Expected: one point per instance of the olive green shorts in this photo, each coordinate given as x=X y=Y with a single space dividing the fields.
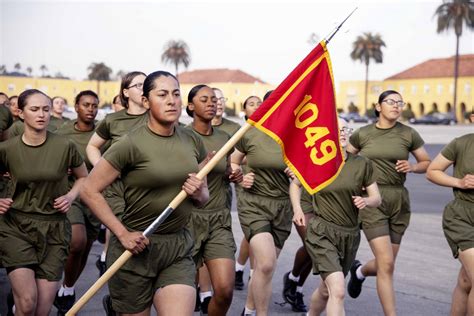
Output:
x=391 y=217
x=307 y=202
x=458 y=225
x=114 y=195
x=79 y=213
x=166 y=261
x=212 y=232
x=35 y=240
x=260 y=214
x=332 y=247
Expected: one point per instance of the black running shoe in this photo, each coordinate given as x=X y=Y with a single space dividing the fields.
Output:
x=64 y=303
x=354 y=287
x=10 y=303
x=239 y=280
x=289 y=289
x=197 y=307
x=299 y=305
x=205 y=305
x=101 y=265
x=102 y=233
x=107 y=303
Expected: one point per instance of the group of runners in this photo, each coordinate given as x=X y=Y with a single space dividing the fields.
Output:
x=64 y=179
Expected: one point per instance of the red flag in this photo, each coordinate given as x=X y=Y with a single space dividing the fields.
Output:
x=301 y=116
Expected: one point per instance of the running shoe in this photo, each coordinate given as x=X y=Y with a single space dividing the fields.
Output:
x=239 y=280
x=354 y=287
x=205 y=305
x=64 y=303
x=101 y=265
x=289 y=289
x=299 y=305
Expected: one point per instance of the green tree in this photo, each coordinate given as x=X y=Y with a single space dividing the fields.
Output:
x=176 y=53
x=43 y=70
x=99 y=72
x=29 y=70
x=453 y=15
x=17 y=67
x=367 y=47
x=3 y=69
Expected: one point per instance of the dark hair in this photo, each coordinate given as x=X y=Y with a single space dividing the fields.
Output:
x=2 y=93
x=149 y=83
x=267 y=94
x=115 y=99
x=382 y=97
x=83 y=93
x=126 y=80
x=247 y=100
x=25 y=95
x=58 y=97
x=192 y=93
x=12 y=97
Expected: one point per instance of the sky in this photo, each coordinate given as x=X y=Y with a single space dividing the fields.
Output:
x=266 y=39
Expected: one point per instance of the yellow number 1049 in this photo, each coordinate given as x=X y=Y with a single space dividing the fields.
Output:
x=327 y=148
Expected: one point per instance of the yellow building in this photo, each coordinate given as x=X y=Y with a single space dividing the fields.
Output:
x=426 y=87
x=60 y=87
x=235 y=84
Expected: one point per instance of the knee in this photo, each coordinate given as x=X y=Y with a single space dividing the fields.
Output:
x=26 y=304
x=385 y=265
x=77 y=244
x=266 y=267
x=337 y=293
x=464 y=283
x=323 y=292
x=223 y=294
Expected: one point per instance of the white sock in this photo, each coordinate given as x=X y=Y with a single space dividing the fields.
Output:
x=68 y=290
x=239 y=267
x=293 y=278
x=252 y=312
x=102 y=256
x=299 y=289
x=203 y=295
x=359 y=273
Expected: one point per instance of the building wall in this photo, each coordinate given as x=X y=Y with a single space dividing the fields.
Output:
x=235 y=92
x=424 y=95
x=60 y=87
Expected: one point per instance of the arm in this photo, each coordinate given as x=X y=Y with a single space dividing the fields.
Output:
x=93 y=148
x=196 y=189
x=64 y=202
x=100 y=177
x=351 y=149
x=437 y=174
x=236 y=160
x=422 y=158
x=295 y=198
x=373 y=198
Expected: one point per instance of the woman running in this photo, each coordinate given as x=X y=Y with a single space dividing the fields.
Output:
x=388 y=144
x=154 y=161
x=211 y=224
x=57 y=118
x=458 y=215
x=333 y=234
x=264 y=212
x=34 y=230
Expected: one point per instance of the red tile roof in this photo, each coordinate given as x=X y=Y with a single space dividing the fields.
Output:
x=217 y=75
x=440 y=67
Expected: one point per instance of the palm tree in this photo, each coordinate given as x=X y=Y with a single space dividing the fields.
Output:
x=43 y=69
x=99 y=72
x=3 y=69
x=453 y=14
x=29 y=70
x=366 y=47
x=17 y=67
x=176 y=52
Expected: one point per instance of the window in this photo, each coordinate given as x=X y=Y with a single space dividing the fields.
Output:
x=413 y=89
x=11 y=87
x=451 y=89
x=439 y=88
x=467 y=88
x=426 y=88
x=401 y=88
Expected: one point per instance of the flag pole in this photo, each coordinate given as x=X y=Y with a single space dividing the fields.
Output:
x=160 y=219
x=340 y=25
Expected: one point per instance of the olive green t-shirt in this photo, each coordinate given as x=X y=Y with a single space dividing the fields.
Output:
x=217 y=183
x=461 y=151
x=334 y=202
x=384 y=147
x=80 y=138
x=228 y=126
x=18 y=127
x=117 y=124
x=39 y=173
x=153 y=169
x=6 y=119
x=55 y=123
x=265 y=160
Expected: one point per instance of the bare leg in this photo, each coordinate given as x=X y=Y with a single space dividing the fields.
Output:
x=46 y=293
x=243 y=252
x=467 y=259
x=165 y=300
x=204 y=279
x=222 y=277
x=319 y=300
x=24 y=289
x=265 y=255
x=77 y=247
x=460 y=294
x=335 y=283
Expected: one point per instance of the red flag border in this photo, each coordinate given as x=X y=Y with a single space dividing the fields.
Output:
x=275 y=137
